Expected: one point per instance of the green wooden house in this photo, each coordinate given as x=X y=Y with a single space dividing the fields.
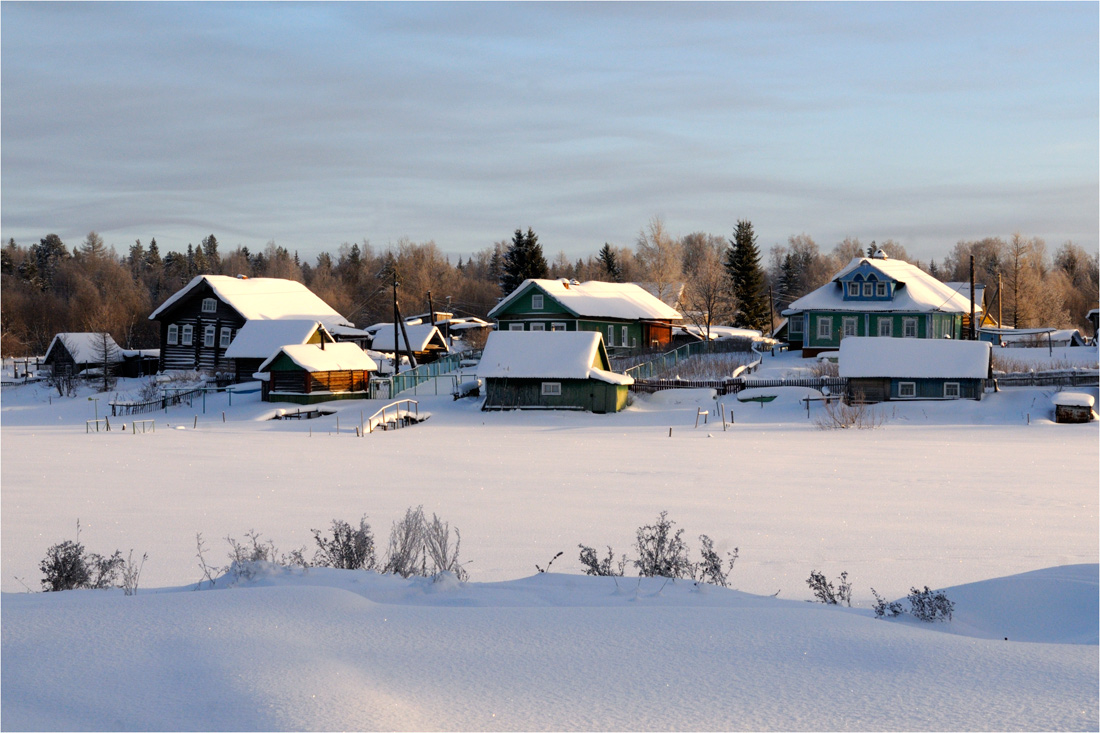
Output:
x=624 y=314
x=879 y=297
x=309 y=373
x=569 y=370
x=880 y=370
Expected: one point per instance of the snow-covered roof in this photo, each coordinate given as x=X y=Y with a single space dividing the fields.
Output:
x=545 y=355
x=1073 y=399
x=1040 y=335
x=467 y=323
x=594 y=299
x=917 y=291
x=336 y=357
x=420 y=335
x=86 y=348
x=262 y=297
x=866 y=356
x=260 y=338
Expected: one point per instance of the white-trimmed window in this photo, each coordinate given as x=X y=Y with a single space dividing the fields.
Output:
x=850 y=324
x=623 y=336
x=551 y=389
x=868 y=290
x=853 y=290
x=538 y=326
x=909 y=328
x=610 y=335
x=536 y=301
x=515 y=326
x=951 y=390
x=185 y=334
x=209 y=305
x=796 y=324
x=825 y=327
x=173 y=334
x=558 y=326
x=907 y=389
x=226 y=337
x=208 y=336
x=880 y=290
x=885 y=327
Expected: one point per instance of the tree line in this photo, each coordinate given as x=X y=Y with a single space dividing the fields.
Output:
x=46 y=288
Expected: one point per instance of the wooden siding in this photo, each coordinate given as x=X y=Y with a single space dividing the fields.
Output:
x=881 y=390
x=577 y=394
x=196 y=356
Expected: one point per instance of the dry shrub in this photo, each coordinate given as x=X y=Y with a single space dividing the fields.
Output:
x=825 y=368
x=850 y=412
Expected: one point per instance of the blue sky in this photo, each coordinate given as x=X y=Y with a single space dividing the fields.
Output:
x=318 y=124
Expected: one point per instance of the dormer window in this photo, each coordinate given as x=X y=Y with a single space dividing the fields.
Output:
x=853 y=290
x=209 y=305
x=880 y=290
x=868 y=290
x=536 y=302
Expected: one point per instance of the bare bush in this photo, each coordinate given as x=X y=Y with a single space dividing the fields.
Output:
x=884 y=609
x=349 y=548
x=847 y=413
x=406 y=555
x=68 y=566
x=131 y=573
x=825 y=368
x=437 y=546
x=593 y=565
x=662 y=552
x=930 y=606
x=825 y=592
x=210 y=573
x=711 y=569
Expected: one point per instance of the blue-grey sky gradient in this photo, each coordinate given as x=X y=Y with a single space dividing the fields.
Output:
x=318 y=124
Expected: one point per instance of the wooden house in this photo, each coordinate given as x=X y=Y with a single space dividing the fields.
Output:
x=199 y=322
x=259 y=339
x=70 y=354
x=880 y=369
x=567 y=370
x=427 y=341
x=625 y=314
x=316 y=372
x=876 y=297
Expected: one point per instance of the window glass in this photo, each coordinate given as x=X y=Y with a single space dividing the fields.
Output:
x=951 y=390
x=209 y=305
x=849 y=326
x=185 y=338
x=623 y=336
x=853 y=290
x=538 y=326
x=885 y=327
x=880 y=290
x=907 y=389
x=225 y=338
x=910 y=328
x=868 y=289
x=536 y=301
x=824 y=327
x=551 y=388
x=557 y=327
x=173 y=334
x=208 y=336
x=515 y=326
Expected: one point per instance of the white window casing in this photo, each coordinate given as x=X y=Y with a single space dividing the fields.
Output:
x=824 y=327
x=850 y=325
x=209 y=305
x=796 y=323
x=538 y=326
x=186 y=334
x=536 y=302
x=880 y=290
x=173 y=334
x=558 y=326
x=551 y=389
x=515 y=326
x=208 y=336
x=951 y=390
x=226 y=337
x=907 y=389
x=868 y=290
x=610 y=335
x=623 y=336
x=853 y=290
x=885 y=327
x=909 y=328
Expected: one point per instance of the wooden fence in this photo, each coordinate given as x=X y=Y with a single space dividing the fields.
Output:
x=733 y=385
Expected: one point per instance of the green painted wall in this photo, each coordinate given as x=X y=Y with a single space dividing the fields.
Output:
x=591 y=395
x=928 y=325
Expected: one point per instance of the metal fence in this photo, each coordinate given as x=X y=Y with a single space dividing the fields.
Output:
x=733 y=385
x=668 y=360
x=408 y=380
x=1060 y=378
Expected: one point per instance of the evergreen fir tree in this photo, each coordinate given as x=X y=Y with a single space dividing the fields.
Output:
x=610 y=263
x=747 y=279
x=523 y=261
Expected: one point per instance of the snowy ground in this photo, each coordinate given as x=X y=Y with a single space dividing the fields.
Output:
x=949 y=495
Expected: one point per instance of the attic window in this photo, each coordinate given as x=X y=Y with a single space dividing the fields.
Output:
x=880 y=290
x=868 y=289
x=536 y=301
x=209 y=305
x=853 y=290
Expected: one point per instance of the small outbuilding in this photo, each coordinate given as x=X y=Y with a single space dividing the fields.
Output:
x=1073 y=407
x=550 y=370
x=427 y=341
x=259 y=339
x=883 y=369
x=72 y=353
x=309 y=373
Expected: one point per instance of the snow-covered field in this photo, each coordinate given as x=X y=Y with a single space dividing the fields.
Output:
x=950 y=495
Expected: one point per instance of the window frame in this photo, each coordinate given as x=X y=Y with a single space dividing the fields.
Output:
x=551 y=389
x=624 y=336
x=903 y=387
x=516 y=326
x=187 y=335
x=868 y=289
x=212 y=303
x=825 y=328
x=846 y=321
x=853 y=289
x=880 y=290
x=958 y=391
x=538 y=326
x=559 y=326
x=209 y=337
x=906 y=323
x=225 y=337
x=172 y=336
x=537 y=302
x=611 y=335
x=885 y=328
x=797 y=322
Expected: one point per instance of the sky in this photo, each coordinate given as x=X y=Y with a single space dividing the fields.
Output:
x=313 y=125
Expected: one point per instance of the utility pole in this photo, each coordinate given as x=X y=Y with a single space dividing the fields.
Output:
x=973 y=325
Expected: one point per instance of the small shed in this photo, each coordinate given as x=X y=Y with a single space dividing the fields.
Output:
x=427 y=341
x=550 y=370
x=259 y=339
x=882 y=369
x=1073 y=407
x=308 y=373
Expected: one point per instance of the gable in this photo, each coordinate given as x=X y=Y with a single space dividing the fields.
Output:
x=253 y=298
x=593 y=299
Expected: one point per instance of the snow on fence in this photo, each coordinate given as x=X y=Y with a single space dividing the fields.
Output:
x=733 y=385
x=1060 y=377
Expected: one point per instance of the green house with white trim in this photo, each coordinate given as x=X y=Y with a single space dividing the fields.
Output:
x=624 y=314
x=876 y=297
x=566 y=370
